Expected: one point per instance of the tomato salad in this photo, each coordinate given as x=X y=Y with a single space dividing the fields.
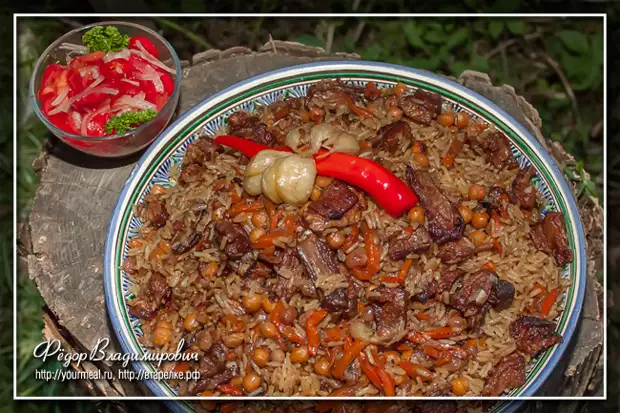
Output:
x=115 y=84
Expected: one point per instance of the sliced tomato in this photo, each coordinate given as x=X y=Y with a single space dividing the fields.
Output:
x=90 y=59
x=127 y=88
x=116 y=68
x=146 y=43
x=96 y=124
x=62 y=121
x=94 y=98
x=54 y=81
x=160 y=101
x=167 y=81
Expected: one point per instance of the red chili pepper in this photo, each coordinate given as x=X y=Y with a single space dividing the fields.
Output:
x=380 y=183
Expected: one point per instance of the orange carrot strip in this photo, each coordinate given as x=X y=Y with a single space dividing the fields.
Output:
x=415 y=370
x=349 y=355
x=244 y=206
x=442 y=332
x=371 y=372
x=549 y=300
x=312 y=330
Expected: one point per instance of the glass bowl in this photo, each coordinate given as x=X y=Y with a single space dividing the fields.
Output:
x=116 y=145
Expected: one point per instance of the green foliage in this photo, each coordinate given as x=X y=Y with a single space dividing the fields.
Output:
x=108 y=39
x=122 y=123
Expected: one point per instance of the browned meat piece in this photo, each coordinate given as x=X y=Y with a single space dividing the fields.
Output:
x=155 y=212
x=244 y=125
x=186 y=237
x=259 y=270
x=391 y=137
x=212 y=369
x=191 y=173
x=388 y=305
x=129 y=265
x=421 y=107
x=533 y=334
x=508 y=374
x=286 y=285
x=522 y=188
x=320 y=260
x=435 y=288
x=495 y=146
x=223 y=377
x=236 y=240
x=157 y=293
x=352 y=373
x=471 y=297
x=437 y=387
x=199 y=151
x=419 y=241
x=497 y=199
x=341 y=300
x=550 y=237
x=444 y=220
x=331 y=94
x=502 y=295
x=455 y=251
x=335 y=200
x=436 y=407
x=420 y=357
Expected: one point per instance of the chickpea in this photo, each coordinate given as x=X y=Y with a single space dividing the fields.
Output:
x=300 y=354
x=400 y=88
x=261 y=356
x=252 y=302
x=236 y=381
x=335 y=240
x=268 y=305
x=357 y=258
x=268 y=329
x=322 y=367
x=260 y=219
x=466 y=213
x=480 y=220
x=323 y=181
x=478 y=237
x=135 y=242
x=158 y=189
x=421 y=159
x=210 y=270
x=392 y=357
x=396 y=112
x=162 y=332
x=446 y=119
x=277 y=356
x=416 y=214
x=251 y=382
x=289 y=315
x=205 y=341
x=398 y=379
x=233 y=340
x=476 y=192
x=191 y=323
x=462 y=120
x=256 y=233
x=460 y=386
x=315 y=194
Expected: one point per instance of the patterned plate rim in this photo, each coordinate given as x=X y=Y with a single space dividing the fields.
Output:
x=213 y=107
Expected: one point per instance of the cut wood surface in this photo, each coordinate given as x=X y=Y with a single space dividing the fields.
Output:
x=61 y=247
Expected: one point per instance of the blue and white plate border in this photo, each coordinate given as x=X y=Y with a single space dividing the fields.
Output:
x=114 y=297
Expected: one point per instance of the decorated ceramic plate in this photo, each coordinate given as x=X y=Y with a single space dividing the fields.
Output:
x=159 y=168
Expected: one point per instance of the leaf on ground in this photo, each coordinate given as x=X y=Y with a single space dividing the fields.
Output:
x=574 y=41
x=516 y=26
x=496 y=27
x=413 y=33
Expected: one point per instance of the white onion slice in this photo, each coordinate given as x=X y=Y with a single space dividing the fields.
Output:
x=63 y=107
x=77 y=120
x=146 y=72
x=87 y=90
x=123 y=54
x=131 y=82
x=134 y=102
x=73 y=47
x=61 y=96
x=153 y=60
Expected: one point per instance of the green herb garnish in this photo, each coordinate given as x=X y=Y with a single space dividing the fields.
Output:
x=108 y=39
x=121 y=123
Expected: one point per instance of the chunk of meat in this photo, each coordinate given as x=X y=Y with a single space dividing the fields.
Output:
x=191 y=173
x=419 y=241
x=335 y=201
x=154 y=211
x=391 y=137
x=533 y=334
x=437 y=387
x=129 y=265
x=435 y=288
x=550 y=237
x=244 y=125
x=474 y=293
x=497 y=199
x=157 y=293
x=502 y=295
x=524 y=192
x=186 y=238
x=444 y=220
x=259 y=270
x=321 y=264
x=495 y=147
x=213 y=370
x=421 y=107
x=199 y=151
x=331 y=94
x=436 y=407
x=352 y=373
x=289 y=272
x=508 y=374
x=342 y=300
x=235 y=238
x=420 y=357
x=388 y=305
x=454 y=252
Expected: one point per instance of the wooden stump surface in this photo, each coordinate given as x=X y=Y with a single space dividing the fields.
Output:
x=61 y=246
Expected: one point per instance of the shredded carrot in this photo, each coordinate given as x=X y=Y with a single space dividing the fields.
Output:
x=291 y=334
x=230 y=390
x=402 y=274
x=423 y=316
x=415 y=370
x=370 y=371
x=388 y=382
x=498 y=222
x=361 y=112
x=359 y=307
x=244 y=206
x=267 y=240
x=347 y=358
x=274 y=217
x=455 y=148
x=404 y=347
x=442 y=332
x=498 y=246
x=290 y=224
x=334 y=334
x=371 y=91
x=417 y=337
x=352 y=238
x=489 y=266
x=548 y=301
x=312 y=330
x=373 y=251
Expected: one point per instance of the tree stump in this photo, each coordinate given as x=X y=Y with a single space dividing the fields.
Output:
x=61 y=247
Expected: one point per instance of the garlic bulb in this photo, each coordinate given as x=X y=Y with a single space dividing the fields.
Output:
x=333 y=138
